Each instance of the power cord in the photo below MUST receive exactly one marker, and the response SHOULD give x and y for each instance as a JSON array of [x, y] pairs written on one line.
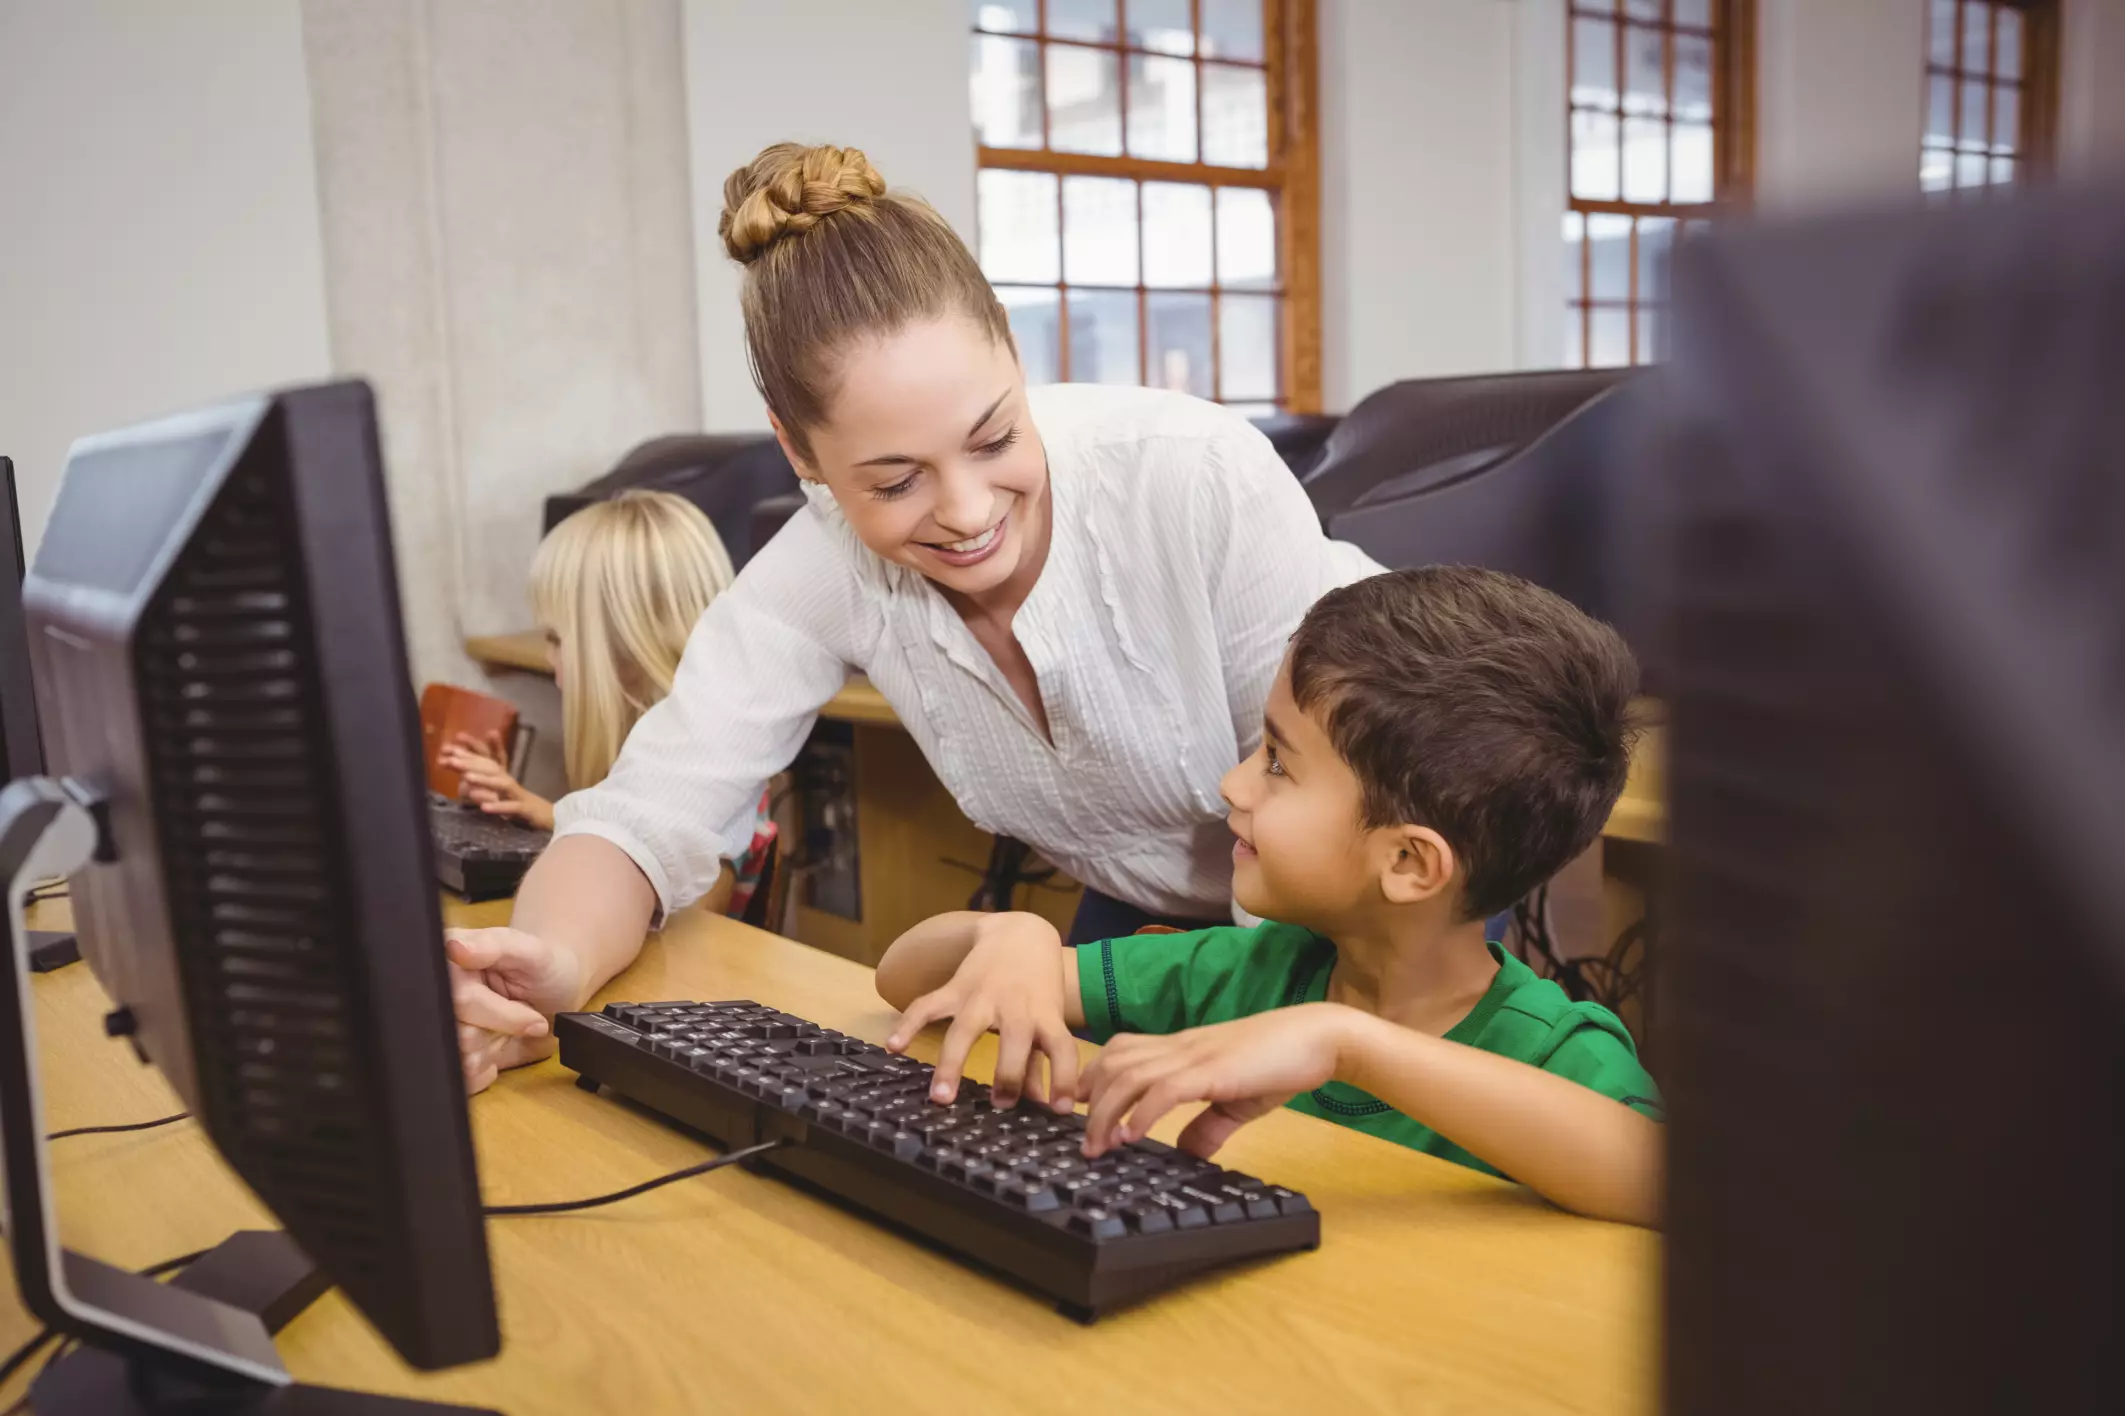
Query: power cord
[[566, 1206], [114, 1130]]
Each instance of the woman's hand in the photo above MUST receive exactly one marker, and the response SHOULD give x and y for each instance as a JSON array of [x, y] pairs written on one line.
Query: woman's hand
[[488, 782], [505, 987]]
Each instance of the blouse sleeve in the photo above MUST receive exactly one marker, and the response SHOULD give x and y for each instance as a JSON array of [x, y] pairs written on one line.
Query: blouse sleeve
[[766, 656]]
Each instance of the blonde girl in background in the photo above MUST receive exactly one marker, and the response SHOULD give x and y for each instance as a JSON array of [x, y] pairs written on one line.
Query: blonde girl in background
[[617, 587]]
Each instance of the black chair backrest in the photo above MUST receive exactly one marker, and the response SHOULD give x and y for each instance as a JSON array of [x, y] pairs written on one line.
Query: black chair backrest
[[1426, 431], [1570, 512], [723, 474]]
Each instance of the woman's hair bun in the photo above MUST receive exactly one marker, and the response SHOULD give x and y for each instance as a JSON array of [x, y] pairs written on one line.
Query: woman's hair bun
[[789, 189]]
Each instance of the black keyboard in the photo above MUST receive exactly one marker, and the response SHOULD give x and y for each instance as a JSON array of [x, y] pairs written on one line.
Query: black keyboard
[[481, 857], [1009, 1190]]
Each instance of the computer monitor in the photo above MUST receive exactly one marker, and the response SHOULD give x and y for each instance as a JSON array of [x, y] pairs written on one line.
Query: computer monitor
[[1893, 963], [19, 744], [222, 675]]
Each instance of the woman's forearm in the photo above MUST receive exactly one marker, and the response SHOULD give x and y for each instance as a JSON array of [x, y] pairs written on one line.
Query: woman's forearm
[[586, 896], [1578, 1149]]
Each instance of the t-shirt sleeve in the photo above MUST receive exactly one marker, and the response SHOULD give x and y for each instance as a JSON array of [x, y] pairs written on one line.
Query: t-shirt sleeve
[[1164, 983], [1593, 1055]]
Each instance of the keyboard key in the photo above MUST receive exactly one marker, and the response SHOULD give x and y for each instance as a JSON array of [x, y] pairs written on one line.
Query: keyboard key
[[1097, 1224], [1148, 1217], [1030, 1197], [1289, 1201], [906, 1145]]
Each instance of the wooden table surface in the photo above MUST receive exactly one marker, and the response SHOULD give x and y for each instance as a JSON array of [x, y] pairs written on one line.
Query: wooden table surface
[[1640, 813], [1436, 1289]]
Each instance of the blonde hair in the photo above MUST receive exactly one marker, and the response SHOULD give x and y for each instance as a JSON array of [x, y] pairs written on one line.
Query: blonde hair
[[622, 582], [830, 256]]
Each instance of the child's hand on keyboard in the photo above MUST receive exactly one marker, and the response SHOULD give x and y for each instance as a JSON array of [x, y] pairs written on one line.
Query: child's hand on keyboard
[[488, 782], [1011, 980], [1244, 1069]]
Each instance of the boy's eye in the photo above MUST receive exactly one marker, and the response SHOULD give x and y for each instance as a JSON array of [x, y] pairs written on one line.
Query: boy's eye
[[1275, 767]]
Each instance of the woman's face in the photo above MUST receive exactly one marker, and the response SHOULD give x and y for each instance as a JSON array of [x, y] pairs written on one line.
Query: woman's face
[[932, 457]]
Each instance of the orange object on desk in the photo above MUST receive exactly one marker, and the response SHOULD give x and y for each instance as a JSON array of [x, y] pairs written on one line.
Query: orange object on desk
[[446, 711]]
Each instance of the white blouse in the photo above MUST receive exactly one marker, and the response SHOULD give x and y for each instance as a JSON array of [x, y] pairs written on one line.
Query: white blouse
[[1182, 556]]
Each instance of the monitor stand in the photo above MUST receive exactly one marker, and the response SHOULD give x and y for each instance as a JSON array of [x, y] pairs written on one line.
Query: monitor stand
[[202, 1343], [49, 949]]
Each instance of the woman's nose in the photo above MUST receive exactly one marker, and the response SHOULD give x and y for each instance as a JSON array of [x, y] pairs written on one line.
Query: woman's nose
[[963, 502]]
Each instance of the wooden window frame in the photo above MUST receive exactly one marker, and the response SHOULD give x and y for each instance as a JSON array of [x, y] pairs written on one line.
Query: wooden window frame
[[1733, 39], [1292, 178], [2037, 88]]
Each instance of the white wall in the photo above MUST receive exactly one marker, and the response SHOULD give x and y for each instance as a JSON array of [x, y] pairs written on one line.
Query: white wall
[[1840, 91], [159, 239], [890, 78], [509, 259], [2092, 88], [1419, 192]]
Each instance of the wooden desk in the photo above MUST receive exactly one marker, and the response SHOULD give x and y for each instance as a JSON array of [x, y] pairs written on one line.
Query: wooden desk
[[1435, 1289]]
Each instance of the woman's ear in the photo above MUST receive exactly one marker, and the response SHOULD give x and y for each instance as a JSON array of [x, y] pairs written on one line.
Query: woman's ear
[[1419, 865], [804, 470]]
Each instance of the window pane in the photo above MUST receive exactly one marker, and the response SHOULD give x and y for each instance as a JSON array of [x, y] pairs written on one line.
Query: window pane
[[1162, 108], [1612, 338], [1104, 347], [1656, 239], [1235, 116], [1232, 29], [1574, 257], [1593, 63], [1694, 12], [2002, 171], [1006, 89], [1936, 170], [1609, 251], [1034, 324], [1082, 19], [1977, 43], [1940, 109], [1940, 31], [1176, 234], [1652, 334], [1595, 166], [1084, 100], [1161, 25], [1013, 16], [1645, 176], [2006, 119], [1575, 338], [1180, 343], [1254, 410], [1693, 79], [1247, 346], [2007, 60], [1017, 224], [1690, 175], [1099, 235], [1643, 9], [1972, 131], [1970, 169], [1246, 239], [1645, 84]]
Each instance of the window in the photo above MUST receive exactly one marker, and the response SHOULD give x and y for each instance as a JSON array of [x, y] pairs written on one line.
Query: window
[[1660, 103], [1149, 191], [1991, 92]]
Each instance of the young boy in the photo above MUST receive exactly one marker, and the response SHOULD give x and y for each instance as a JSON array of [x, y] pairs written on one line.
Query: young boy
[[1437, 743]]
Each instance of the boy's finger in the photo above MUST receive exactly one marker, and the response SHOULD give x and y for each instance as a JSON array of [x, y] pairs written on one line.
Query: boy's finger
[[1013, 1049], [952, 1057], [1110, 1102], [1208, 1132], [920, 1014], [1061, 1049], [1151, 1107]]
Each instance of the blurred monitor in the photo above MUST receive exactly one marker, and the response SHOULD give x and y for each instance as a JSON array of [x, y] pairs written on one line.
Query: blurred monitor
[[214, 619], [1893, 986], [18, 697]]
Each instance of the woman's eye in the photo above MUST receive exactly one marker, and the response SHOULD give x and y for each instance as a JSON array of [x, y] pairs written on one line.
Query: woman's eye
[[898, 489], [990, 449]]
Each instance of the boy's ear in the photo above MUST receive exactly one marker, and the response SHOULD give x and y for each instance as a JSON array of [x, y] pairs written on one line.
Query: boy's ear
[[1419, 865]]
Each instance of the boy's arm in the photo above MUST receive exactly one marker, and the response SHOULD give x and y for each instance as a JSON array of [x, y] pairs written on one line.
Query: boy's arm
[[1575, 1147], [1009, 972]]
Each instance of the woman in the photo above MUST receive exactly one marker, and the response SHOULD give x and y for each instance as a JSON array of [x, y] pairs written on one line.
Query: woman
[[1074, 597]]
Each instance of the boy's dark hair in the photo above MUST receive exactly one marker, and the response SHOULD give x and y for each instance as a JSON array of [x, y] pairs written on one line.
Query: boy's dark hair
[[1477, 704]]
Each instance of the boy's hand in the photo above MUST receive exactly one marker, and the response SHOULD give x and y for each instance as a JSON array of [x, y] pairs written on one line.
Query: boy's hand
[[1012, 981], [1244, 1069]]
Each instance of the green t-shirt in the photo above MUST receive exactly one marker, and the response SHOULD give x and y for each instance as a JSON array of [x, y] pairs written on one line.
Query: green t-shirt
[[1163, 983]]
